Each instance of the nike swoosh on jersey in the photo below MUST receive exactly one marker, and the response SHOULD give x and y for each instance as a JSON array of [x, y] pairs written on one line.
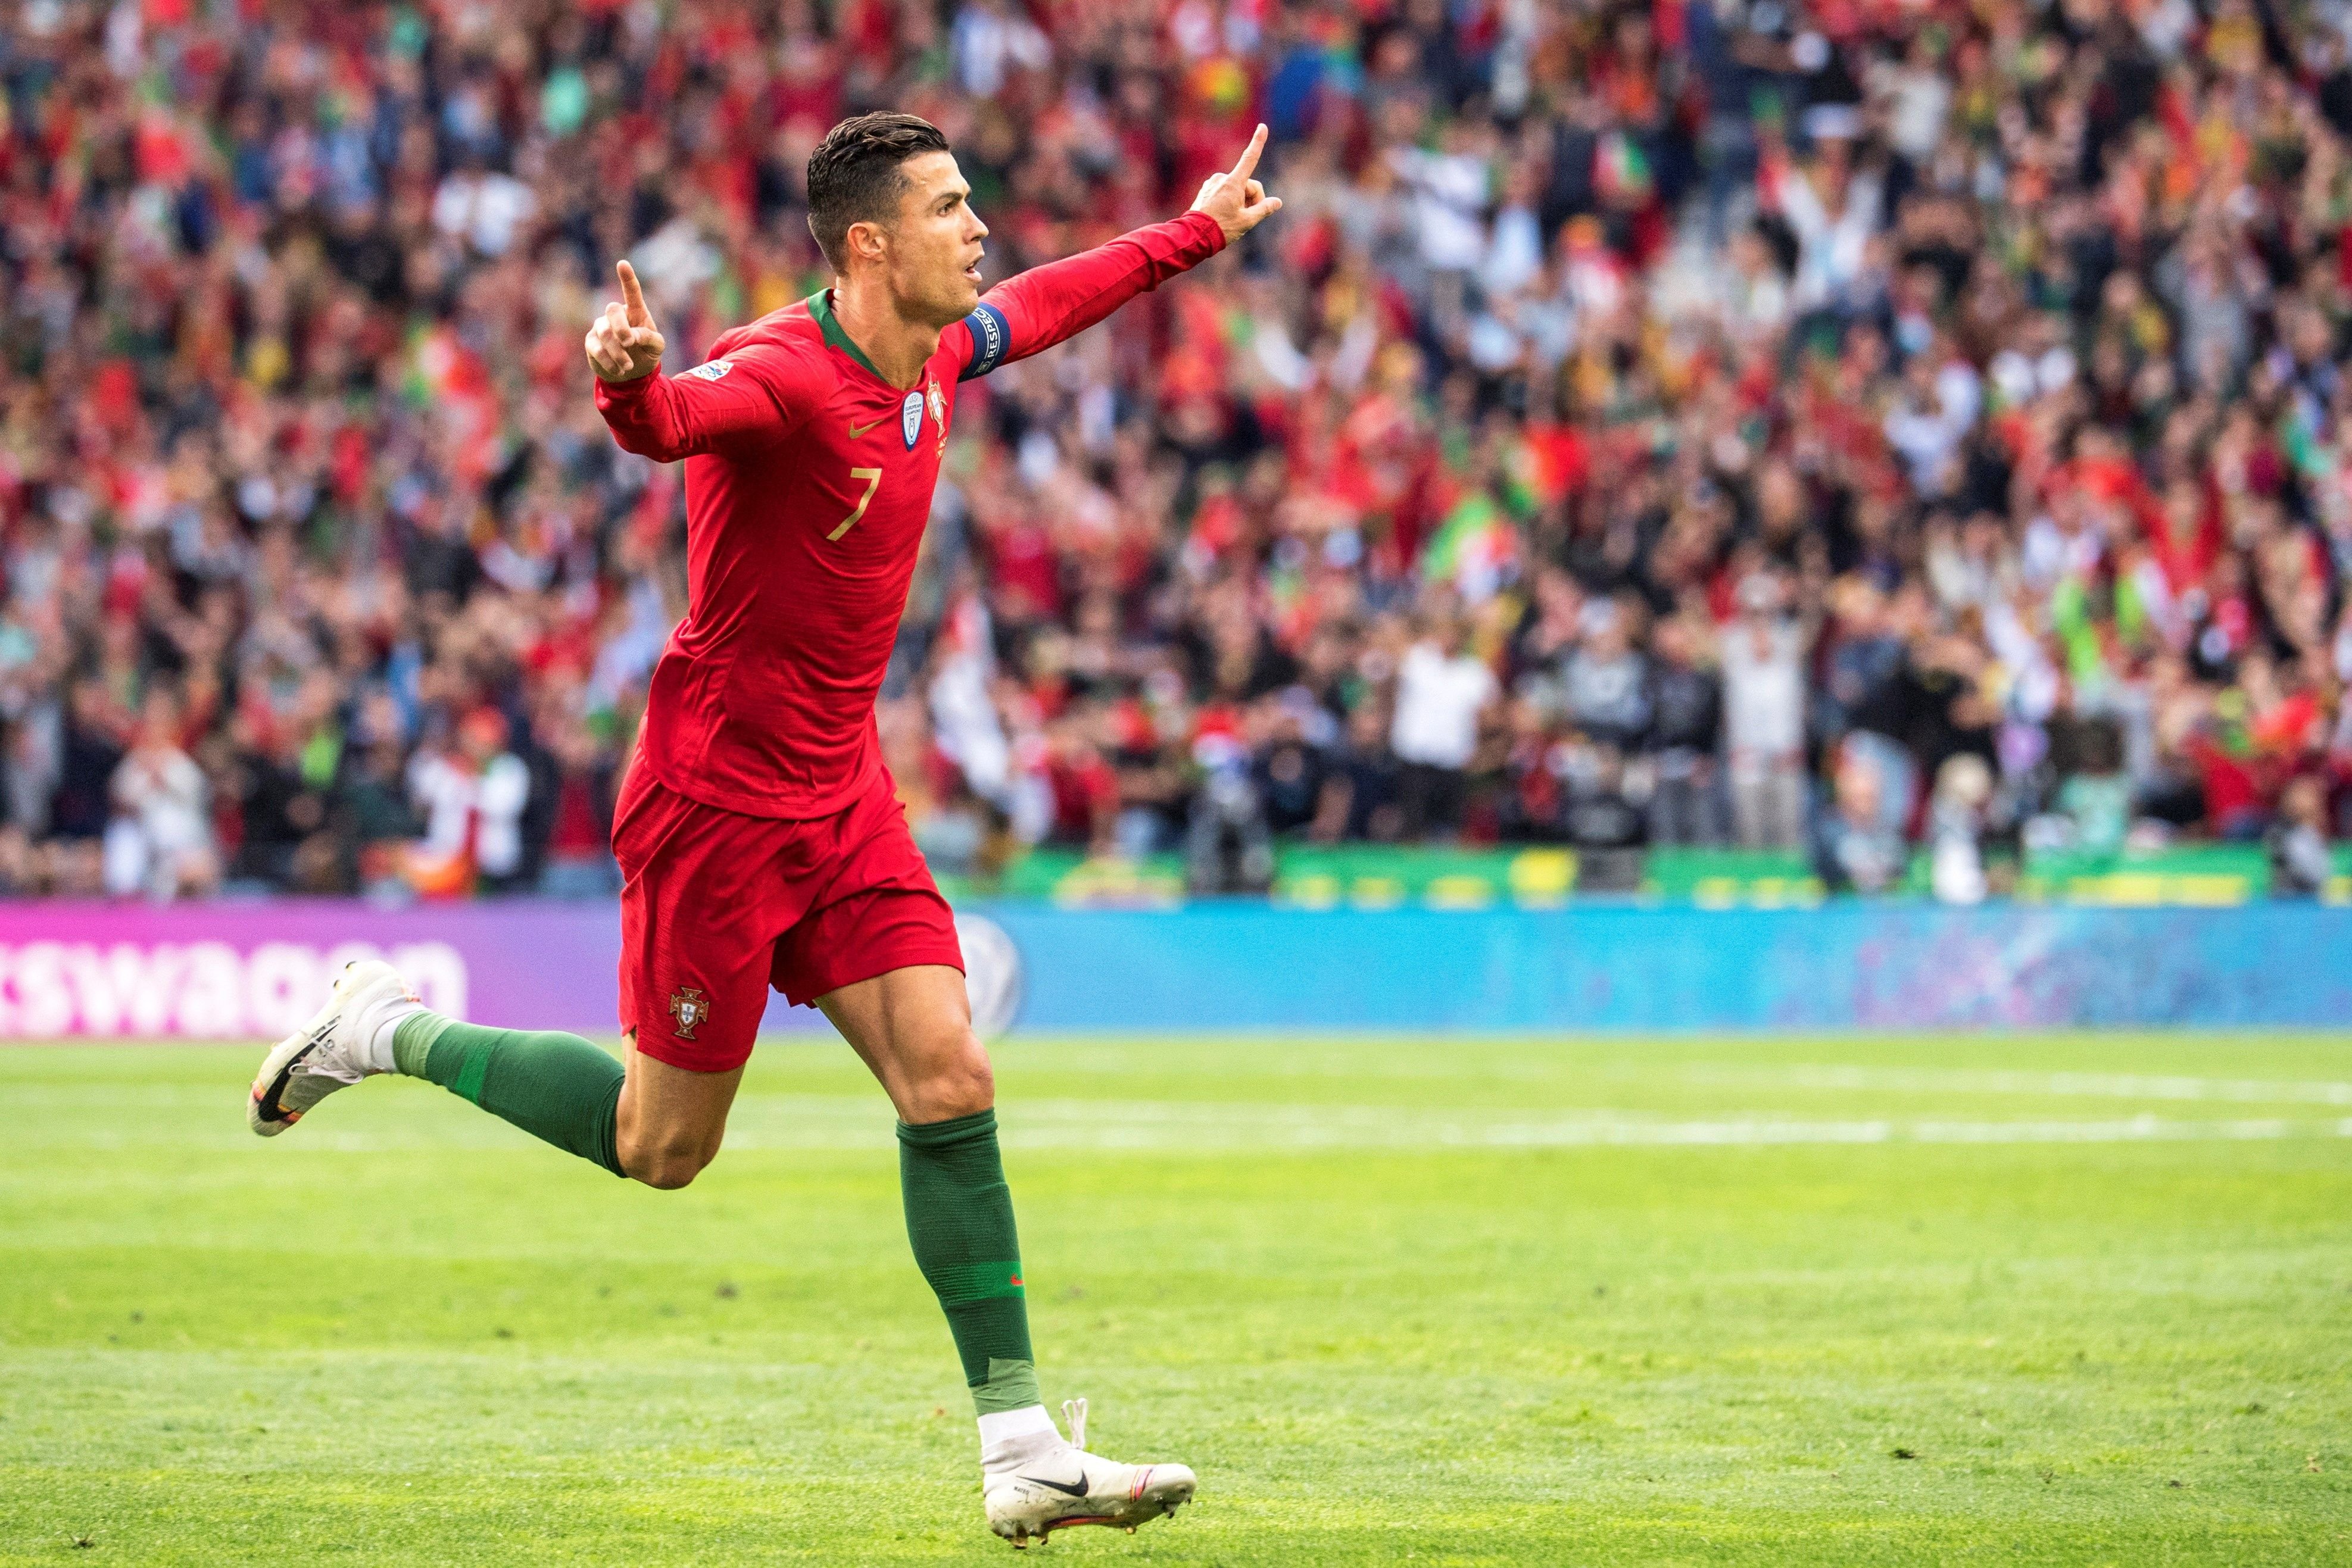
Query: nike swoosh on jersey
[[858, 429]]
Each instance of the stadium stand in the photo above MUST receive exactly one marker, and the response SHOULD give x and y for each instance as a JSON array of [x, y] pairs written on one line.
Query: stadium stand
[[1891, 442]]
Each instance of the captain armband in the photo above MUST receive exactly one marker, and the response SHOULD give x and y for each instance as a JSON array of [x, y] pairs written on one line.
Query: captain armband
[[992, 337]]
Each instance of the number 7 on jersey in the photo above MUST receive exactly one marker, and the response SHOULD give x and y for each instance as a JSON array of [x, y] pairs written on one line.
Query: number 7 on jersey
[[872, 477]]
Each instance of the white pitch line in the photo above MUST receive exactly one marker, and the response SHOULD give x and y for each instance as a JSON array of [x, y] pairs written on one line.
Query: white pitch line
[[2137, 1129], [1208, 1127], [862, 1121], [814, 1122], [1966, 1080]]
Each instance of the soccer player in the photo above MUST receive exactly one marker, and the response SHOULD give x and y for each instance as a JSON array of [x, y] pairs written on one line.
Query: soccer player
[[758, 835]]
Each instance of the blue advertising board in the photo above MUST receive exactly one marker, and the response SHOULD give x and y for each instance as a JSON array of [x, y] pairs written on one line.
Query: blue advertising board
[[246, 969], [1846, 965]]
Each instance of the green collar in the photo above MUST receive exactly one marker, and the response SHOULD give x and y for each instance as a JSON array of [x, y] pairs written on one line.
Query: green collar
[[820, 305]]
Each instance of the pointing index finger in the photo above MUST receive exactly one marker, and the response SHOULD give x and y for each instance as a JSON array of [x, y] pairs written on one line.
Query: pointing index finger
[[635, 295], [1249, 154]]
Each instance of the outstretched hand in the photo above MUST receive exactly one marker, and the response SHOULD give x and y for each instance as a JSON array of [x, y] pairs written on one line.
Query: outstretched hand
[[1237, 201], [625, 343]]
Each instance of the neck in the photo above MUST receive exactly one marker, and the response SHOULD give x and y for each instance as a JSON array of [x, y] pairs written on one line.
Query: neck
[[898, 346]]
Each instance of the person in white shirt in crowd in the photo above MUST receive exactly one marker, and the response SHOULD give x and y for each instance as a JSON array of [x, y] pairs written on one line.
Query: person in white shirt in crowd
[[1442, 692], [1764, 720], [160, 842], [484, 207], [1956, 823], [1833, 207], [990, 41], [472, 793]]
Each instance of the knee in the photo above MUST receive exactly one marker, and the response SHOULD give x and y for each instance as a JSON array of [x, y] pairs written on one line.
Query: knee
[[666, 1173], [975, 1076], [958, 1082], [667, 1165]]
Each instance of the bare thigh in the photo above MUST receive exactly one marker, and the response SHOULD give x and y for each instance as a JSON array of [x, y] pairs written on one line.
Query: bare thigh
[[670, 1120], [912, 1028]]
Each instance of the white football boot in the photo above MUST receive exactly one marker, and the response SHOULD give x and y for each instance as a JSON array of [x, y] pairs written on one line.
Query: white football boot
[[333, 1050], [1054, 1485]]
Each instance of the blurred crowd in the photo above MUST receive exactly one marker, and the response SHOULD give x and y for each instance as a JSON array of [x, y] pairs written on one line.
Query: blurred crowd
[[1862, 429]]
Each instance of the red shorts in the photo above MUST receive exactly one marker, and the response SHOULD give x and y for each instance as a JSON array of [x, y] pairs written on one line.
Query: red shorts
[[716, 907]]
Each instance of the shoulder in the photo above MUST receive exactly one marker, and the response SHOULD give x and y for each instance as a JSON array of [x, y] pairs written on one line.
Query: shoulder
[[790, 327], [782, 350], [782, 338]]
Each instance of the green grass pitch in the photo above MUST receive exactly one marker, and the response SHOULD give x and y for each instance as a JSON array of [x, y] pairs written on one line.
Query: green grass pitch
[[2056, 1300]]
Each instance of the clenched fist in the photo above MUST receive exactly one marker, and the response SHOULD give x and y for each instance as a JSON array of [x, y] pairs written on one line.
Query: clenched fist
[[625, 343]]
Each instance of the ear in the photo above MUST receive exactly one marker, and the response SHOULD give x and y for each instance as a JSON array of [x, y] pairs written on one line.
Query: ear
[[866, 242]]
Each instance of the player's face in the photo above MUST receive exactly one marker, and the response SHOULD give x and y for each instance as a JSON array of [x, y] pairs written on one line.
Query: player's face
[[934, 253]]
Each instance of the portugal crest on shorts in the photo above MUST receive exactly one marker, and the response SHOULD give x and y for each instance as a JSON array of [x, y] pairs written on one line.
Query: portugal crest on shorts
[[688, 1008]]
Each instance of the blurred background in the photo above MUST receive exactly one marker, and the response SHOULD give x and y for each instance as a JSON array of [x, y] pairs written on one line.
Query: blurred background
[[1740, 450], [1805, 536]]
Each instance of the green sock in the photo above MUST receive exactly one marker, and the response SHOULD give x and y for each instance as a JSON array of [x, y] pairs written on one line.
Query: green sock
[[960, 1218], [553, 1085]]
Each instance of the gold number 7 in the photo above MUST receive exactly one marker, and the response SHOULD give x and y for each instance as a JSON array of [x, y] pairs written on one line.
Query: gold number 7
[[872, 477]]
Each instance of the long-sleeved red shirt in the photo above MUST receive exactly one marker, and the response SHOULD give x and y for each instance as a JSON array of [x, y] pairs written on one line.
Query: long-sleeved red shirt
[[808, 481]]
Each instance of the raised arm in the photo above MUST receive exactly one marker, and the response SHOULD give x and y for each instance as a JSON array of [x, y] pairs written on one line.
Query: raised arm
[[745, 399], [1060, 299]]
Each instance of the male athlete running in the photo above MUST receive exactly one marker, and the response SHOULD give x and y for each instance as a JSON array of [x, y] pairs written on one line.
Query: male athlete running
[[758, 835]]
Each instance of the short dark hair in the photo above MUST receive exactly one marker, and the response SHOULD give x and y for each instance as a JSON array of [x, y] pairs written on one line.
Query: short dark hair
[[854, 177]]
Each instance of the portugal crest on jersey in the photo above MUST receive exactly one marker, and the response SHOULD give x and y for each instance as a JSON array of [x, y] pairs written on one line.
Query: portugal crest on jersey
[[910, 418], [688, 1008]]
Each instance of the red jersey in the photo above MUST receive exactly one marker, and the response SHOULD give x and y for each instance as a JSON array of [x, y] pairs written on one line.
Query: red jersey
[[808, 482]]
